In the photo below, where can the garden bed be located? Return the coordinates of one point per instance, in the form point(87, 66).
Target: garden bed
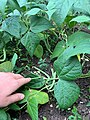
point(49, 42)
point(51, 110)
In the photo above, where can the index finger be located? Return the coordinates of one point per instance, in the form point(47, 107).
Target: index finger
point(18, 83)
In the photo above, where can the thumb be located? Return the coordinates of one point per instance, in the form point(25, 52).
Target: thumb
point(15, 97)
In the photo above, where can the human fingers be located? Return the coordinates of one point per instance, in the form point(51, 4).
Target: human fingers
point(14, 98)
point(23, 81)
point(10, 74)
point(17, 76)
point(18, 83)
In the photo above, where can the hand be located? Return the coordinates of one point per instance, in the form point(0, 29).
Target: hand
point(9, 83)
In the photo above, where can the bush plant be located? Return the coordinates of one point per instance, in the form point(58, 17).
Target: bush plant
point(27, 24)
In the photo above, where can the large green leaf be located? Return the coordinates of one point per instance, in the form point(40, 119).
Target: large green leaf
point(12, 26)
point(77, 43)
point(60, 47)
point(70, 70)
point(41, 97)
point(39, 24)
point(78, 38)
point(6, 67)
point(2, 5)
point(32, 108)
point(13, 4)
point(3, 115)
point(82, 6)
point(66, 93)
point(33, 98)
point(81, 19)
point(62, 8)
point(30, 41)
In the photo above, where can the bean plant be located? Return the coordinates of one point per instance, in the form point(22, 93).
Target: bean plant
point(33, 25)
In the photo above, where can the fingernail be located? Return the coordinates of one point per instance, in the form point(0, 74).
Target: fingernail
point(28, 79)
point(22, 96)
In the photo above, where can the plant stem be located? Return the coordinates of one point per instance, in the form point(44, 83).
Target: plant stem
point(41, 71)
point(35, 78)
point(4, 55)
point(84, 76)
point(23, 106)
point(52, 85)
point(47, 43)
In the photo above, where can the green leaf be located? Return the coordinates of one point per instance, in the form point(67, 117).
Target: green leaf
point(8, 117)
point(22, 2)
point(42, 6)
point(4, 39)
point(59, 48)
point(39, 24)
point(36, 83)
point(77, 38)
point(50, 13)
point(82, 6)
point(23, 29)
point(88, 104)
point(27, 95)
point(62, 8)
point(33, 98)
point(13, 4)
point(3, 115)
point(14, 59)
point(6, 67)
point(89, 27)
point(70, 70)
point(12, 26)
point(33, 11)
point(3, 5)
point(44, 118)
point(32, 108)
point(14, 107)
point(77, 43)
point(30, 41)
point(15, 13)
point(81, 19)
point(39, 51)
point(41, 97)
point(66, 93)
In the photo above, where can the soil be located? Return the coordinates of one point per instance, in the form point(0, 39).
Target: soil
point(52, 112)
